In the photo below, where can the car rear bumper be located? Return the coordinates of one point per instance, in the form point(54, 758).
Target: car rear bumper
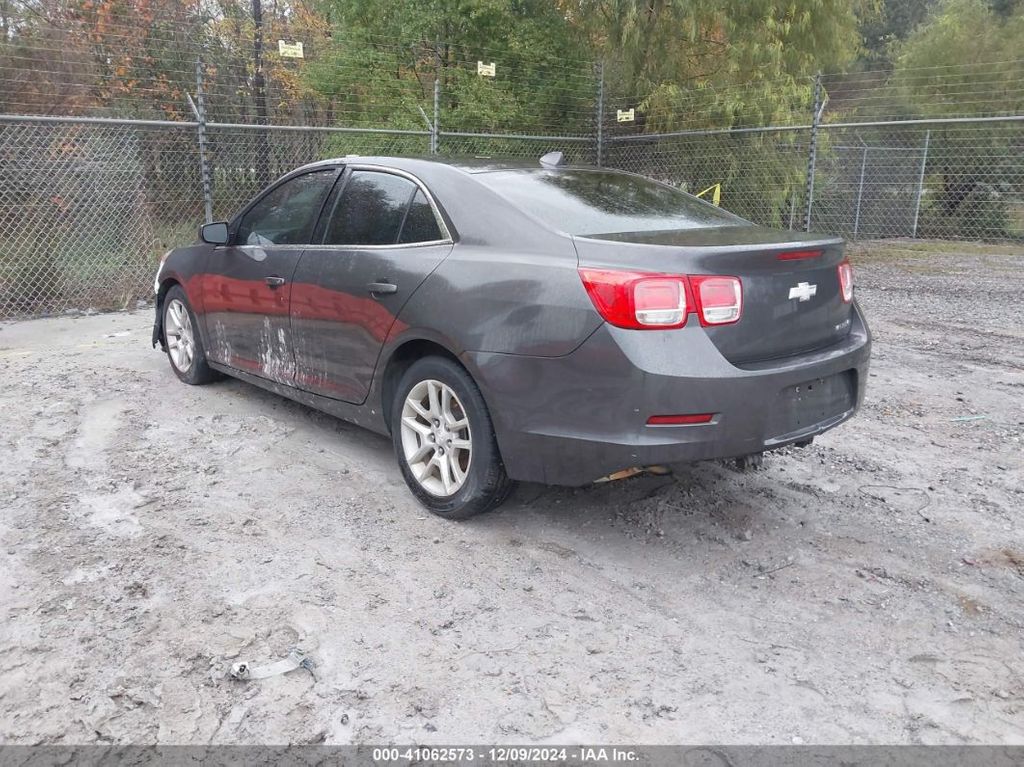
point(573, 419)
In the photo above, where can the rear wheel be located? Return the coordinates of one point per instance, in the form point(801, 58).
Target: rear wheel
point(182, 342)
point(444, 441)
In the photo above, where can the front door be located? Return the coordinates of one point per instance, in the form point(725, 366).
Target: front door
point(381, 239)
point(247, 284)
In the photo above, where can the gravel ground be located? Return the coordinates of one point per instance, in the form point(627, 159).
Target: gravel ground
point(867, 589)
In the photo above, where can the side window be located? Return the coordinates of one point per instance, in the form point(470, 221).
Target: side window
point(286, 215)
point(370, 210)
point(420, 223)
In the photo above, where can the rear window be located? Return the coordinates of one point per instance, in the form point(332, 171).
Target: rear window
point(591, 202)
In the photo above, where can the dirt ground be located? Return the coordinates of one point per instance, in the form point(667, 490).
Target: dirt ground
point(867, 589)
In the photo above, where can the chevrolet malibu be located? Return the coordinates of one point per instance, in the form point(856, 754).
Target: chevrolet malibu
point(519, 322)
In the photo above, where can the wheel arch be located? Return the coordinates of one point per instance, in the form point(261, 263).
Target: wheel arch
point(165, 286)
point(167, 283)
point(158, 327)
point(401, 359)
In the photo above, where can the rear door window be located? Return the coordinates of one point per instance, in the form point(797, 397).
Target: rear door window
point(420, 222)
point(370, 210)
point(378, 208)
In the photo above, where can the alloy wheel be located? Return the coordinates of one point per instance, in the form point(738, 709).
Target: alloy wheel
point(436, 439)
point(181, 345)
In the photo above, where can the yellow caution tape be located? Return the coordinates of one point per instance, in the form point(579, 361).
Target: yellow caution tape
point(716, 198)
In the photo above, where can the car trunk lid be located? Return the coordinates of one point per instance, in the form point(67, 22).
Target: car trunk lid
point(792, 298)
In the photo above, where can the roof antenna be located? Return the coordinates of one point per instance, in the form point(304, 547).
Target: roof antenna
point(553, 160)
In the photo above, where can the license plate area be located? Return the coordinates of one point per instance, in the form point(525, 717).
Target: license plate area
point(802, 406)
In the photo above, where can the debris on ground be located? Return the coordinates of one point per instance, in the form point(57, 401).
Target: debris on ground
point(246, 671)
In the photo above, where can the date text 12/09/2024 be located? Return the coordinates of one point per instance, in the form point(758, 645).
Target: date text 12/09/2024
point(501, 754)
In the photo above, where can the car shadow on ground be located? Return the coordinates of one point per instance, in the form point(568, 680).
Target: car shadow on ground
point(704, 502)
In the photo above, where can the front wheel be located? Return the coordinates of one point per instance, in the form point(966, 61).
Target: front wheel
point(182, 342)
point(444, 441)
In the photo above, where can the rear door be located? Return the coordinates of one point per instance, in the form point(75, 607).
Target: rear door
point(247, 284)
point(380, 237)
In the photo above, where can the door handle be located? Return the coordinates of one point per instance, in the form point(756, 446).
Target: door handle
point(275, 281)
point(381, 288)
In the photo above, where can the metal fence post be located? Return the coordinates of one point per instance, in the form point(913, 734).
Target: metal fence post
point(920, 181)
point(860, 192)
point(204, 164)
point(435, 131)
point(812, 154)
point(600, 114)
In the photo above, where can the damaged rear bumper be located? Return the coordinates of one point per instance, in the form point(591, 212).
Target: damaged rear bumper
point(570, 420)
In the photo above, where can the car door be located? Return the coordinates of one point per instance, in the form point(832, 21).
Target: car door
point(247, 284)
point(382, 235)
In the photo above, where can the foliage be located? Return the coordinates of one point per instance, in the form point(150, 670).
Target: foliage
point(970, 171)
point(888, 24)
point(395, 50)
point(967, 32)
point(693, 65)
point(742, 40)
point(702, 47)
point(710, 64)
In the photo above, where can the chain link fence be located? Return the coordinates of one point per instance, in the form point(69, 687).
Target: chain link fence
point(758, 175)
point(89, 203)
point(85, 209)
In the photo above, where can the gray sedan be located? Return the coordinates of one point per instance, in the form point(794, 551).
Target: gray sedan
point(519, 322)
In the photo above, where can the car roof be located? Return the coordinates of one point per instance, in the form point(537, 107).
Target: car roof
point(468, 164)
point(478, 213)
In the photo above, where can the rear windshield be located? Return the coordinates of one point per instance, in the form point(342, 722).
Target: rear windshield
point(592, 202)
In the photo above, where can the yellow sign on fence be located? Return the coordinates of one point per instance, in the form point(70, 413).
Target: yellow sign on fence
point(289, 50)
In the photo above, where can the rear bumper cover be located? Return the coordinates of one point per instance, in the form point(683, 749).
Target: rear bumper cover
point(570, 420)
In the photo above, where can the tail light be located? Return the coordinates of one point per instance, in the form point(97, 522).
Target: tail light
point(719, 299)
point(638, 300)
point(645, 301)
point(846, 280)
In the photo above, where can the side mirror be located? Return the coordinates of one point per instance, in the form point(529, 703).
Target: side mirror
point(215, 233)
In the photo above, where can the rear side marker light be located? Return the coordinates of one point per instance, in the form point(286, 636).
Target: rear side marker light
point(798, 255)
point(680, 420)
point(846, 280)
point(719, 299)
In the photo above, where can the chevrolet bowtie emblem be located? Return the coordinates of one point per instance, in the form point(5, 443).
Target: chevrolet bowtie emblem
point(803, 291)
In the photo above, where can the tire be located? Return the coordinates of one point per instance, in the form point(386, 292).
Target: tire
point(182, 341)
point(459, 445)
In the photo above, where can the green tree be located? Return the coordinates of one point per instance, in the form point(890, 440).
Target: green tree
point(975, 173)
point(380, 66)
point(713, 64)
point(942, 70)
point(888, 24)
point(665, 51)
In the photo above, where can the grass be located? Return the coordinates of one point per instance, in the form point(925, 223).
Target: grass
point(50, 272)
